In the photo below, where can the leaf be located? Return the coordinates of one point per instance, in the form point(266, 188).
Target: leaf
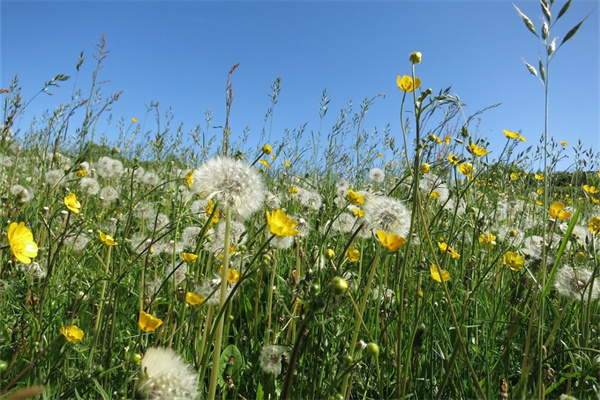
point(230, 351)
point(564, 9)
point(572, 32)
point(527, 21)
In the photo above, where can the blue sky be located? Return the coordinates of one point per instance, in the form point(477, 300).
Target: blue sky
point(179, 54)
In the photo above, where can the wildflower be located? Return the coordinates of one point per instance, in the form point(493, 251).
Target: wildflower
point(466, 169)
point(352, 254)
point(379, 155)
point(188, 257)
point(556, 211)
point(355, 198)
point(108, 194)
point(189, 178)
point(453, 159)
point(435, 187)
point(590, 189)
point(594, 225)
point(194, 299)
point(387, 214)
point(265, 163)
point(447, 249)
point(358, 213)
point(405, 83)
point(266, 149)
point(437, 274)
point(72, 203)
point(107, 167)
point(577, 284)
point(288, 163)
point(488, 239)
point(564, 143)
point(392, 242)
point(538, 177)
point(270, 359)
point(166, 376)
point(107, 239)
point(234, 183)
point(477, 151)
point(376, 175)
point(81, 173)
point(447, 139)
point(54, 177)
point(21, 242)
point(233, 275)
point(280, 224)
point(72, 333)
point(415, 57)
point(513, 135)
point(513, 260)
point(514, 176)
point(424, 168)
point(134, 120)
point(148, 323)
point(293, 190)
point(309, 199)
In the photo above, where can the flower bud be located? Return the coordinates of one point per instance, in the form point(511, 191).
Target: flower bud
point(339, 285)
point(415, 57)
point(330, 254)
point(373, 349)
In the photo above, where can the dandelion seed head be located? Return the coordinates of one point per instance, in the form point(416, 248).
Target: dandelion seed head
point(270, 359)
point(577, 284)
point(89, 185)
point(309, 198)
point(23, 194)
point(166, 376)
point(54, 177)
point(108, 194)
point(376, 175)
point(107, 167)
point(387, 214)
point(232, 183)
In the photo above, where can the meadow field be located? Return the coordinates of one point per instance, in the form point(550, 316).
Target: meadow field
point(412, 265)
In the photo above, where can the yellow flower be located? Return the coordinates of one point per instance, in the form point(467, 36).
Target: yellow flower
point(513, 260)
point(477, 151)
point(21, 242)
point(513, 135)
point(424, 168)
point(267, 149)
point(293, 190)
point(564, 143)
point(434, 195)
point(594, 225)
point(538, 177)
point(355, 198)
point(514, 176)
point(233, 276)
point(265, 163)
point(134, 120)
point(437, 274)
point(81, 173)
point(447, 249)
point(72, 203)
point(557, 211)
point(210, 208)
point(280, 224)
point(466, 169)
point(453, 159)
point(540, 191)
point(194, 299)
point(352, 254)
point(447, 139)
point(488, 239)
point(107, 239)
point(392, 242)
point(189, 257)
point(288, 163)
point(379, 155)
point(405, 83)
point(358, 213)
point(148, 323)
point(590, 189)
point(189, 178)
point(72, 333)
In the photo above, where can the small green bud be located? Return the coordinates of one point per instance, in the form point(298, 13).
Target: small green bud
point(347, 359)
point(3, 365)
point(338, 396)
point(339, 285)
point(373, 349)
point(415, 57)
point(99, 369)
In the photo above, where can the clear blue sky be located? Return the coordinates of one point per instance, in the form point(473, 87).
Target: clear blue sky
point(179, 54)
